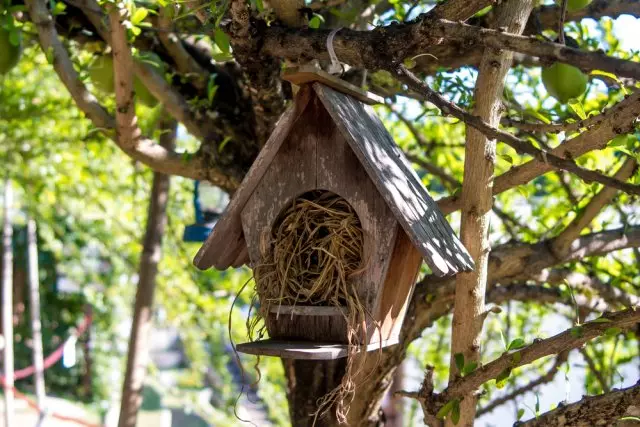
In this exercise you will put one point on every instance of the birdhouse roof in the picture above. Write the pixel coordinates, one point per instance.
(387, 167)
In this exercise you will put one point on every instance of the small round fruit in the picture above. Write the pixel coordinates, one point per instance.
(574, 5)
(564, 82)
(9, 52)
(142, 93)
(101, 73)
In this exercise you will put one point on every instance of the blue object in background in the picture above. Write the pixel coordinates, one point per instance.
(205, 219)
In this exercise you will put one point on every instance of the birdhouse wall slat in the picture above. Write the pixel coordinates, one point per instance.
(397, 182)
(226, 236)
(340, 171)
(398, 285)
(292, 172)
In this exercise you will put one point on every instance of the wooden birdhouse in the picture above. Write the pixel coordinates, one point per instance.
(330, 146)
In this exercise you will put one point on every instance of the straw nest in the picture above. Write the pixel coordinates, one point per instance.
(312, 255)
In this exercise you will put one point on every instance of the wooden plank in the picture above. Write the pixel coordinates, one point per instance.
(227, 233)
(291, 173)
(309, 74)
(398, 285)
(303, 349)
(306, 310)
(398, 183)
(340, 172)
(242, 258)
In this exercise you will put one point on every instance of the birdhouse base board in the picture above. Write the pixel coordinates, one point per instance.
(304, 350)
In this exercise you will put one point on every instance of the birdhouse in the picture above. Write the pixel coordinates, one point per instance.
(331, 200)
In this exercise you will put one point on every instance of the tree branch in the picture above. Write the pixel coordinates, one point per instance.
(592, 209)
(518, 144)
(604, 409)
(127, 131)
(617, 120)
(477, 201)
(543, 379)
(144, 150)
(564, 341)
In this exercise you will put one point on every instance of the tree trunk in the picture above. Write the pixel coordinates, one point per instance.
(36, 324)
(477, 202)
(142, 311)
(7, 304)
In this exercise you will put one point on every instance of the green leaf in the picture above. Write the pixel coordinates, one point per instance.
(501, 379)
(516, 344)
(15, 36)
(455, 412)
(504, 340)
(520, 413)
(212, 88)
(446, 408)
(612, 332)
(629, 419)
(222, 40)
(577, 108)
(537, 405)
(612, 77)
(315, 22)
(459, 359)
(507, 158)
(469, 368)
(516, 358)
(224, 143)
(576, 331)
(409, 63)
(139, 15)
(601, 320)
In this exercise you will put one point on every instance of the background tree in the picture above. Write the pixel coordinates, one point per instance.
(557, 179)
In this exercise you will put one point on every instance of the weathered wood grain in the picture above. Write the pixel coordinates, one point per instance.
(386, 165)
(226, 236)
(309, 74)
(302, 349)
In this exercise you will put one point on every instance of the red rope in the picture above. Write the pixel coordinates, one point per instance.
(48, 362)
(33, 405)
(54, 357)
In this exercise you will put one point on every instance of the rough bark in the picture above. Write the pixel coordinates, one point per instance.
(602, 410)
(138, 353)
(477, 202)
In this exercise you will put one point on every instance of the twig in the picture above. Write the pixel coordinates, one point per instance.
(594, 370)
(543, 379)
(522, 146)
(561, 19)
(562, 342)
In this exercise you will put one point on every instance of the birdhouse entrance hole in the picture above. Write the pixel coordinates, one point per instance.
(309, 260)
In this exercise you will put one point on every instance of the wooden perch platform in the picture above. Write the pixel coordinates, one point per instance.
(304, 349)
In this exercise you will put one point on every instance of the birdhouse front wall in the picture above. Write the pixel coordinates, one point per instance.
(315, 156)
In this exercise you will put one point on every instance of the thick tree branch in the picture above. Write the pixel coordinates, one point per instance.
(559, 343)
(604, 409)
(384, 47)
(543, 379)
(145, 150)
(518, 144)
(127, 131)
(617, 120)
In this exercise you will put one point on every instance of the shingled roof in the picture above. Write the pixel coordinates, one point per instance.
(387, 167)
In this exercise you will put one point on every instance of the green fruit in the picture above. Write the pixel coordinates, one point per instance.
(10, 49)
(142, 93)
(574, 5)
(101, 73)
(564, 82)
